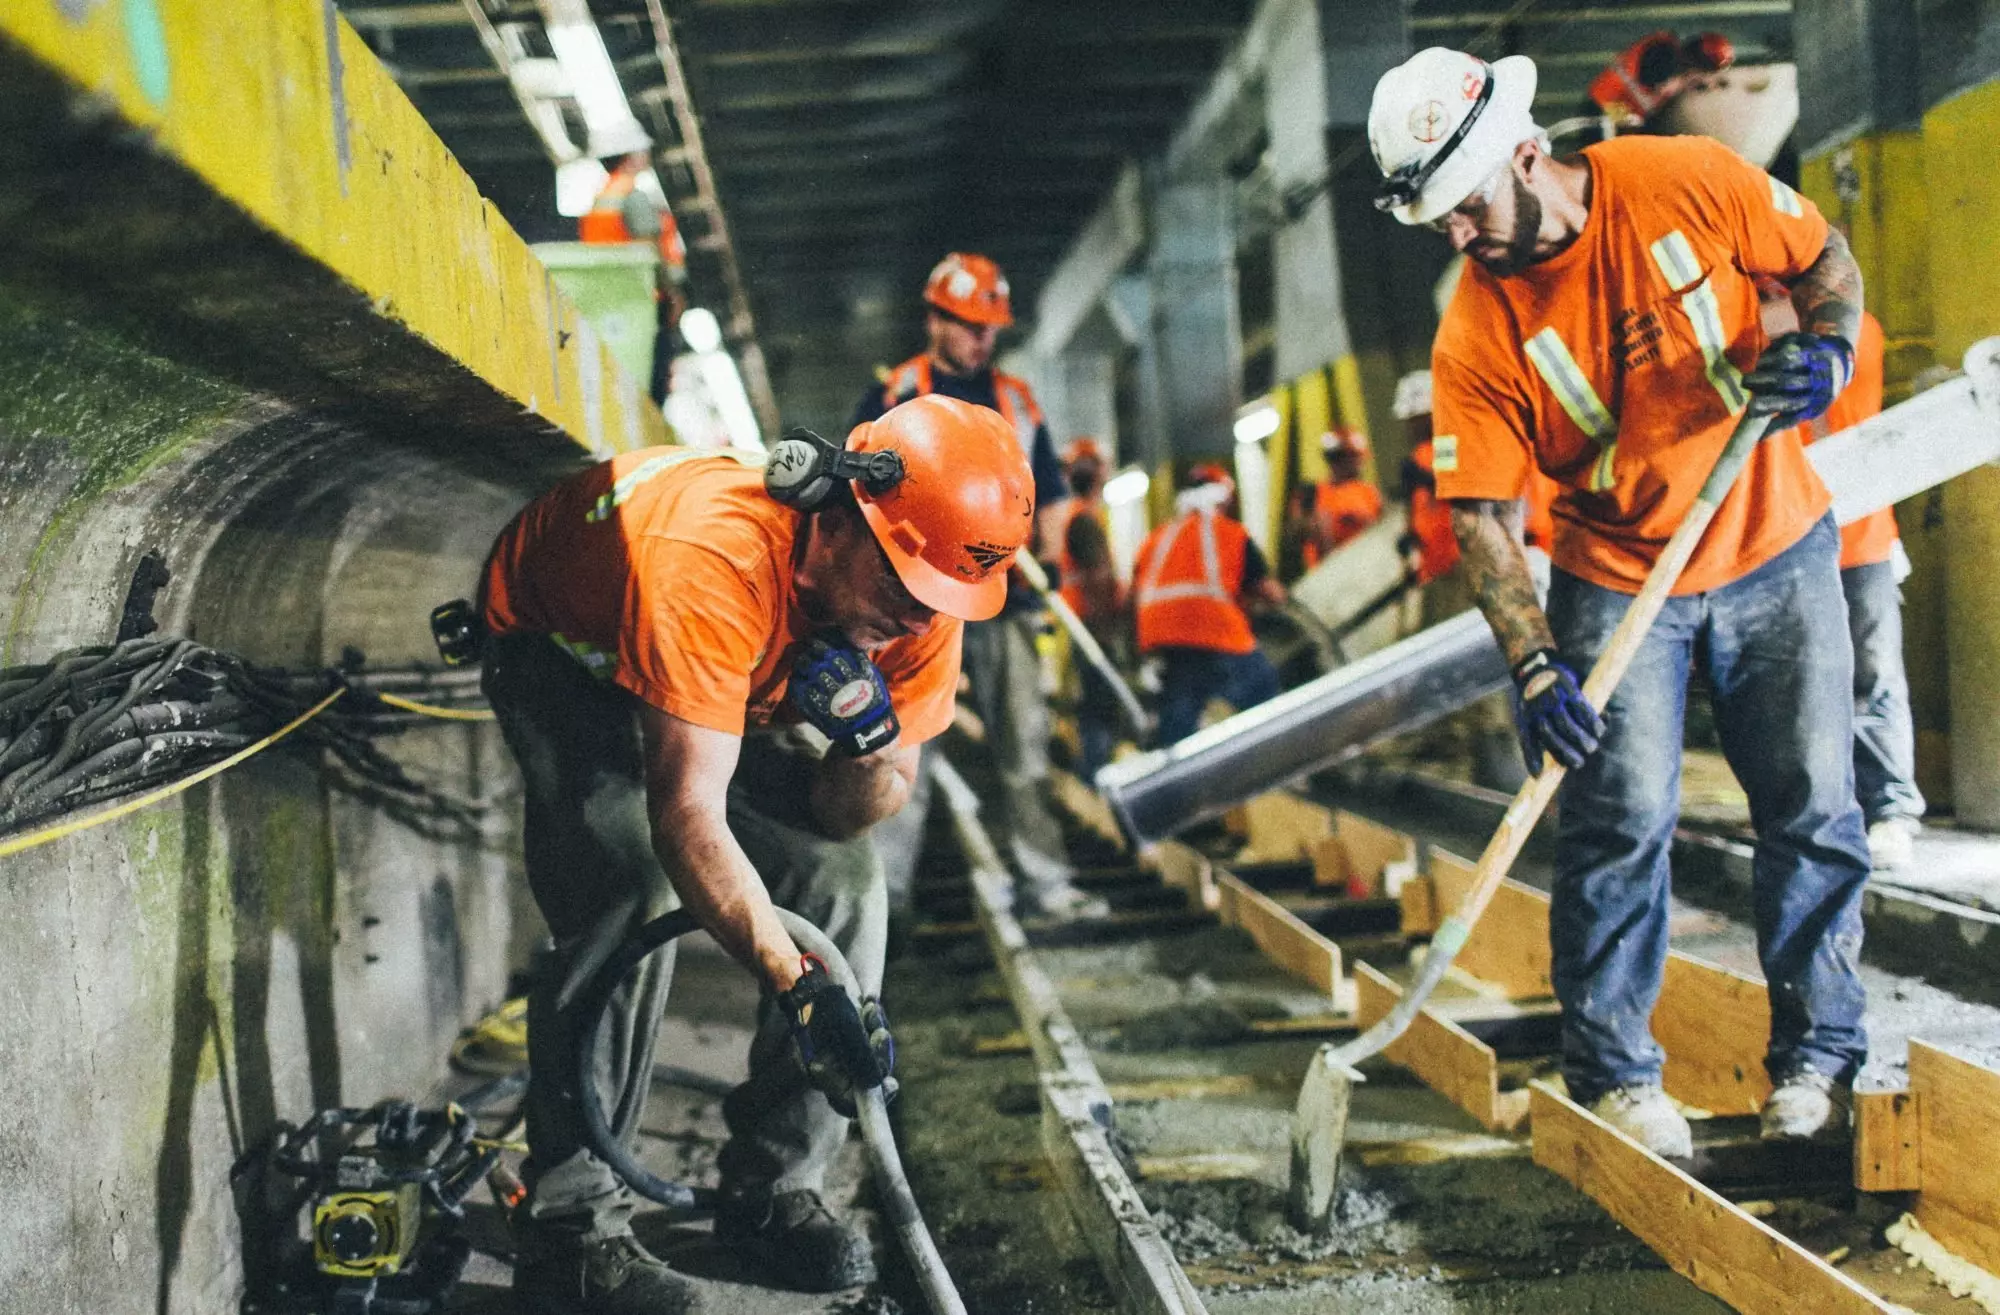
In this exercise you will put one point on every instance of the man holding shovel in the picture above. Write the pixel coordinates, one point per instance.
(1606, 331)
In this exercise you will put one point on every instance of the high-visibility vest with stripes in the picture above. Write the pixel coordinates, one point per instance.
(1016, 401)
(1186, 583)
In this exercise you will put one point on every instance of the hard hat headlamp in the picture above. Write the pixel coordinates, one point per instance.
(1405, 184)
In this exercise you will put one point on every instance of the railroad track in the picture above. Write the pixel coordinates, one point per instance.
(1101, 1114)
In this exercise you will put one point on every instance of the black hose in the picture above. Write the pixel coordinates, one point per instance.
(588, 1006)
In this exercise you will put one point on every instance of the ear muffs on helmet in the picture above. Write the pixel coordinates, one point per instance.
(805, 471)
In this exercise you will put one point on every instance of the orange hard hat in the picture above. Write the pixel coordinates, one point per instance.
(1344, 440)
(1210, 472)
(964, 506)
(1084, 449)
(970, 287)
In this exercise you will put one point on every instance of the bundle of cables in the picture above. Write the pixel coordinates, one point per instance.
(100, 722)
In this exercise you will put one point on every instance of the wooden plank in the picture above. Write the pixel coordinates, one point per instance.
(1419, 900)
(1888, 1141)
(1187, 871)
(1087, 806)
(1960, 1201)
(1715, 1026)
(1285, 941)
(1365, 857)
(1450, 1060)
(1699, 1234)
(1510, 946)
(1283, 826)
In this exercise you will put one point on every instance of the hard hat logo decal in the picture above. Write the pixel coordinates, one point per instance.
(988, 555)
(1472, 83)
(852, 698)
(1427, 121)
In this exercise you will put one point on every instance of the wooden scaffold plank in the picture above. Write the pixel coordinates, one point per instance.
(1283, 938)
(1450, 1060)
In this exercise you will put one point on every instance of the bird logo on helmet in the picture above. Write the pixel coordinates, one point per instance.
(970, 287)
(963, 509)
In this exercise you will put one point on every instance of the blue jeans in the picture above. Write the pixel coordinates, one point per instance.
(1193, 676)
(1775, 648)
(1885, 738)
(1096, 722)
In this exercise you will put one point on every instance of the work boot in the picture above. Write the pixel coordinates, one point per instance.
(610, 1276)
(1807, 1106)
(1065, 903)
(795, 1240)
(1643, 1112)
(1892, 843)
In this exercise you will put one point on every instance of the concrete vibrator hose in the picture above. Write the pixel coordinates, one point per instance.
(871, 1110)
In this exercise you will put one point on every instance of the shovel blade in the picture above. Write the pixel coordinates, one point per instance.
(1319, 1133)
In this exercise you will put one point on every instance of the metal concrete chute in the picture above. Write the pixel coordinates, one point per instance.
(1910, 447)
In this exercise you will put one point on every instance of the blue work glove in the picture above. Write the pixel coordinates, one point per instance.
(1799, 375)
(842, 1050)
(1550, 713)
(837, 689)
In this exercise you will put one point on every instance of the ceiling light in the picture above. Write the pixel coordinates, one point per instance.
(1126, 486)
(1257, 424)
(577, 184)
(700, 330)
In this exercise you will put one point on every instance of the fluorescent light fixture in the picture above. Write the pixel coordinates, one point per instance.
(593, 78)
(732, 403)
(700, 330)
(1126, 486)
(577, 184)
(1258, 424)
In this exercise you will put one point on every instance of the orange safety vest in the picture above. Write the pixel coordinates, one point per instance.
(1100, 604)
(1351, 506)
(1017, 403)
(605, 222)
(1189, 574)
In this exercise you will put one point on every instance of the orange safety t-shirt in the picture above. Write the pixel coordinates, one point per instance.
(670, 573)
(1616, 366)
(1186, 582)
(1349, 507)
(1873, 538)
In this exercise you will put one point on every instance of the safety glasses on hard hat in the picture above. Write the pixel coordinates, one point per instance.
(1473, 207)
(1406, 184)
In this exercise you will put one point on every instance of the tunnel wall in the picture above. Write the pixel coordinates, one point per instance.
(267, 943)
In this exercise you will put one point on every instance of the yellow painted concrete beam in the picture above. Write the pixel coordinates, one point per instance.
(264, 139)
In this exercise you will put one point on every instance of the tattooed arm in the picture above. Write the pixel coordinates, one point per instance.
(1489, 544)
(1828, 295)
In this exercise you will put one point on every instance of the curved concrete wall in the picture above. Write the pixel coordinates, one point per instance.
(267, 943)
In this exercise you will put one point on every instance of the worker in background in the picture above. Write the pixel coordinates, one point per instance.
(1091, 587)
(624, 211)
(1603, 331)
(715, 679)
(1428, 544)
(1873, 567)
(966, 305)
(1192, 581)
(1652, 71)
(1334, 510)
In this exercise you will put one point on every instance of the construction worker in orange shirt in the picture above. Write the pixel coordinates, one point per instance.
(1340, 506)
(715, 678)
(1607, 332)
(967, 303)
(1430, 543)
(1191, 583)
(1091, 587)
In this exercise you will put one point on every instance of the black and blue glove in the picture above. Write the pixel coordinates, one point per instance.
(838, 690)
(1799, 375)
(843, 1050)
(1551, 715)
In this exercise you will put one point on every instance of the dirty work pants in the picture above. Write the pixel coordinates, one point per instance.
(1774, 647)
(1193, 676)
(1885, 737)
(1006, 675)
(591, 866)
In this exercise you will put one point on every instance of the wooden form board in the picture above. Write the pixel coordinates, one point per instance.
(1959, 1203)
(1888, 1141)
(1363, 857)
(1451, 1061)
(1185, 870)
(1715, 1026)
(1283, 827)
(1285, 940)
(1700, 1235)
(1510, 946)
(1087, 806)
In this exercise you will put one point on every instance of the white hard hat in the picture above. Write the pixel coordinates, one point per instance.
(1413, 396)
(1441, 123)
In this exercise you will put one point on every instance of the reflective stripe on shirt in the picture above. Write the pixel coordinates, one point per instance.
(1150, 590)
(1675, 257)
(1559, 370)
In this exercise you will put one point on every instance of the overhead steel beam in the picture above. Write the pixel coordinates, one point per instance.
(1097, 255)
(368, 17)
(1699, 11)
